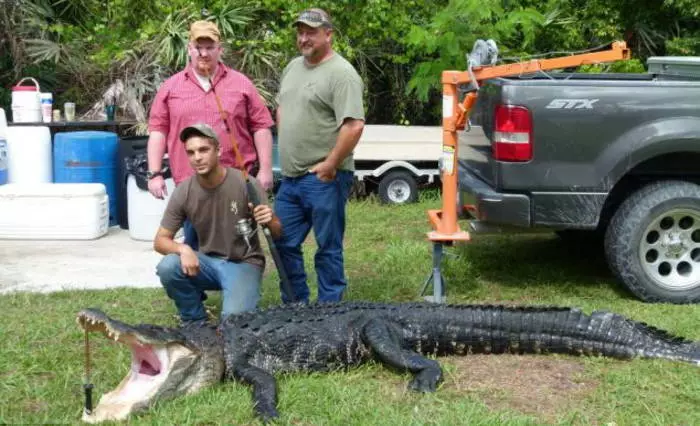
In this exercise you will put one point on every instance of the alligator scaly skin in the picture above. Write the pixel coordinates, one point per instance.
(323, 337)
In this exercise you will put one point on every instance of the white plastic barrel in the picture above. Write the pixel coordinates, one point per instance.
(144, 211)
(29, 157)
(26, 102)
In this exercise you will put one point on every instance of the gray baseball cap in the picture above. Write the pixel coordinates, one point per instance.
(200, 129)
(314, 18)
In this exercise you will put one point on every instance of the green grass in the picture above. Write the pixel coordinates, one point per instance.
(387, 258)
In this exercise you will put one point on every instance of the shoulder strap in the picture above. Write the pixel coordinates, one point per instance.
(224, 116)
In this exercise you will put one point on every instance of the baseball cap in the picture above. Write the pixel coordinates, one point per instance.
(314, 18)
(204, 29)
(199, 129)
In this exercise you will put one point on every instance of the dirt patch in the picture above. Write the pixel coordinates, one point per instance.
(543, 387)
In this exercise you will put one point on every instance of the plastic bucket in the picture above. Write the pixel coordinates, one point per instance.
(26, 102)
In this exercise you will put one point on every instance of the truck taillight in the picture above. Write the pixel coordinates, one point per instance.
(512, 137)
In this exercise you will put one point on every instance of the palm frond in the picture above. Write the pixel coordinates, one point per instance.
(43, 50)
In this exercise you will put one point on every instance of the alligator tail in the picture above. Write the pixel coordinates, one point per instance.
(608, 334)
(563, 330)
(640, 339)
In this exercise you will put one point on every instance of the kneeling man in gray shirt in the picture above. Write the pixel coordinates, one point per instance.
(215, 199)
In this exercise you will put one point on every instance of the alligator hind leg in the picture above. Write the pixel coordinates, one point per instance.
(387, 346)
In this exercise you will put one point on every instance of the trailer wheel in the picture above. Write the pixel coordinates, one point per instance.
(653, 242)
(398, 187)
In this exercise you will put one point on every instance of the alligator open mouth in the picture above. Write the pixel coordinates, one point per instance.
(155, 355)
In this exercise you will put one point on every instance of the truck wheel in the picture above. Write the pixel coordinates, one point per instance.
(653, 242)
(398, 187)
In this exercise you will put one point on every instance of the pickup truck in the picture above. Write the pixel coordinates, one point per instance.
(615, 157)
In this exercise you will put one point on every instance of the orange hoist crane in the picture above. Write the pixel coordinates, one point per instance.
(455, 114)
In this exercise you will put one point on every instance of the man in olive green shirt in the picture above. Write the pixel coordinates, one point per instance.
(320, 119)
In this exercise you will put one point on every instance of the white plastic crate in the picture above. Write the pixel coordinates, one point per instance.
(53, 211)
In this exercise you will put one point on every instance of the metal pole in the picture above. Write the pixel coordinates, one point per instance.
(87, 386)
(286, 285)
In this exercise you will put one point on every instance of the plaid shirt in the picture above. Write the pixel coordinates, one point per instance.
(181, 101)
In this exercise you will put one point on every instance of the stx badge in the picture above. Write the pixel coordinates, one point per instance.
(572, 103)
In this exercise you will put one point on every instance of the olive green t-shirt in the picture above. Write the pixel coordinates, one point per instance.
(214, 213)
(314, 100)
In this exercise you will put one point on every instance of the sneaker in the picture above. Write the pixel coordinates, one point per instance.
(194, 323)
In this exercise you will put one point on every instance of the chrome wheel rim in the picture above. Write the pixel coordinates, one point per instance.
(398, 191)
(670, 249)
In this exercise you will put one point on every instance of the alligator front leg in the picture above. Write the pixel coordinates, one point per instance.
(378, 335)
(264, 389)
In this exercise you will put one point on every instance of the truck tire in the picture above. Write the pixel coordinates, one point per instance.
(653, 242)
(398, 187)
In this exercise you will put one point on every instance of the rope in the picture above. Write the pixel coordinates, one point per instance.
(87, 357)
(224, 116)
(559, 53)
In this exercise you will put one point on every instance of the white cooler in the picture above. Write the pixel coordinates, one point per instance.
(53, 211)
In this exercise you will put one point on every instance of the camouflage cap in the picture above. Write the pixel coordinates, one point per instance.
(199, 129)
(314, 18)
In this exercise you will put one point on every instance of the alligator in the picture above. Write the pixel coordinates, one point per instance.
(252, 347)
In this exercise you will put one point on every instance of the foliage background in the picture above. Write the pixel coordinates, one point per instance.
(78, 48)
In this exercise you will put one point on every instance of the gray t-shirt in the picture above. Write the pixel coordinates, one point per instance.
(214, 213)
(314, 101)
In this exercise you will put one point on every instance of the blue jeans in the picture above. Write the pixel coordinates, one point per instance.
(191, 238)
(303, 203)
(238, 282)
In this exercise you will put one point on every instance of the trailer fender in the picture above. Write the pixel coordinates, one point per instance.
(398, 164)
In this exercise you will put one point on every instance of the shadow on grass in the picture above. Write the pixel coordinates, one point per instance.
(534, 263)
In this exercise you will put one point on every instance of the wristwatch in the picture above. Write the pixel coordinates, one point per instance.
(150, 175)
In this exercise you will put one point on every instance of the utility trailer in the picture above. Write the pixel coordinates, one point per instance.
(392, 160)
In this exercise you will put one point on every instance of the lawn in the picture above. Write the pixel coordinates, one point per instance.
(387, 258)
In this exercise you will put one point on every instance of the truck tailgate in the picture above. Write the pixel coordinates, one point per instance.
(475, 141)
(475, 154)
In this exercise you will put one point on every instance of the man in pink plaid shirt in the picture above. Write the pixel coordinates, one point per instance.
(188, 97)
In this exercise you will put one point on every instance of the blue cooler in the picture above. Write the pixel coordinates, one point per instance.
(88, 157)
